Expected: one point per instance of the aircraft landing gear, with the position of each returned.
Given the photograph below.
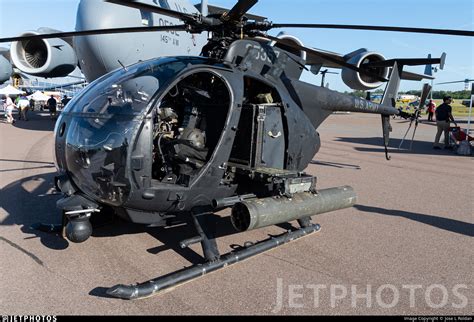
(206, 226)
(214, 260)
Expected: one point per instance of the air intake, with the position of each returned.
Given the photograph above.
(35, 53)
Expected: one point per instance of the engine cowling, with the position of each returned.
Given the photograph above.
(43, 57)
(5, 69)
(290, 40)
(359, 81)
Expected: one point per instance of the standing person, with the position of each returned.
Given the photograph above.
(430, 109)
(17, 100)
(64, 101)
(23, 105)
(51, 103)
(9, 109)
(32, 104)
(444, 117)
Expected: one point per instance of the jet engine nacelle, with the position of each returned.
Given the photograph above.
(43, 57)
(359, 81)
(5, 69)
(290, 40)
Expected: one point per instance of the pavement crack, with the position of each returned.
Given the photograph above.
(301, 266)
(24, 251)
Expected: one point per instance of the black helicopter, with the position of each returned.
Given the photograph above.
(184, 137)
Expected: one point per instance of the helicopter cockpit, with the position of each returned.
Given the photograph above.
(163, 126)
(188, 124)
(95, 133)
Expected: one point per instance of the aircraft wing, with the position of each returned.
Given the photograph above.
(5, 52)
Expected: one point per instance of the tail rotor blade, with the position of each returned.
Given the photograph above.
(456, 82)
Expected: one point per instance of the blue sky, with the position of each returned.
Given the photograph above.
(20, 15)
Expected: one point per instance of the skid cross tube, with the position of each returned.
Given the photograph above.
(149, 288)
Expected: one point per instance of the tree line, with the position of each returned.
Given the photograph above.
(440, 94)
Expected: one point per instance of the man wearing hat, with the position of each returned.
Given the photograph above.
(444, 117)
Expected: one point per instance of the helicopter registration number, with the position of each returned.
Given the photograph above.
(262, 53)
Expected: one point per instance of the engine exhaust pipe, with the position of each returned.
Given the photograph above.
(258, 213)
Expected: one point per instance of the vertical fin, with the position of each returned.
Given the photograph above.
(390, 98)
(429, 68)
(391, 91)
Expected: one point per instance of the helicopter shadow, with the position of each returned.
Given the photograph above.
(170, 237)
(452, 225)
(32, 200)
(419, 147)
(29, 201)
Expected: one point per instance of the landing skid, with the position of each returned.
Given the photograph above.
(215, 262)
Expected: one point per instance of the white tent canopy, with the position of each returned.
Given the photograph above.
(10, 90)
(39, 97)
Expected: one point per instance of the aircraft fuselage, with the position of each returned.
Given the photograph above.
(101, 54)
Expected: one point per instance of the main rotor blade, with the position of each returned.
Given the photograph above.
(405, 62)
(328, 58)
(468, 33)
(463, 81)
(95, 32)
(240, 9)
(147, 7)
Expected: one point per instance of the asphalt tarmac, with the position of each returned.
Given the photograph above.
(405, 248)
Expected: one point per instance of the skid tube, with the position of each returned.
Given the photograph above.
(150, 288)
